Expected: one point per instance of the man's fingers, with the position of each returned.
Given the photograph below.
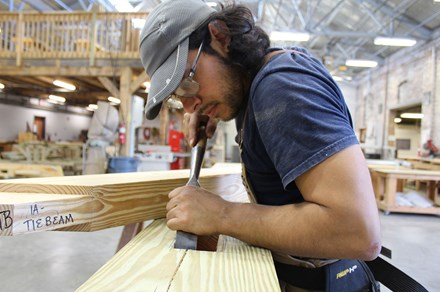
(192, 123)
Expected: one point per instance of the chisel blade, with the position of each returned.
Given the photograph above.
(185, 240)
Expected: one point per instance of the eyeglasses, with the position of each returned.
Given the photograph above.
(188, 87)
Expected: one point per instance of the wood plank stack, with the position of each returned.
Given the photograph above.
(17, 170)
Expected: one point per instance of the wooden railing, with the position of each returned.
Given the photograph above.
(78, 35)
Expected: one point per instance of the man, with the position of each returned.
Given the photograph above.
(303, 166)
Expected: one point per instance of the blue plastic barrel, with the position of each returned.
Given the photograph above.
(122, 164)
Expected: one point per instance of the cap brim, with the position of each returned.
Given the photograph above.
(166, 79)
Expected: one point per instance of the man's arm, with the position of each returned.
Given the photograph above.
(339, 218)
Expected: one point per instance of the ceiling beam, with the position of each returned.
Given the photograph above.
(60, 71)
(63, 5)
(110, 86)
(138, 82)
(299, 15)
(401, 17)
(9, 4)
(328, 18)
(38, 5)
(83, 5)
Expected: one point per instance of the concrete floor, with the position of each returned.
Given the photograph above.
(62, 261)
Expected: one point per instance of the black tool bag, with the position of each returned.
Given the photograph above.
(343, 275)
(350, 275)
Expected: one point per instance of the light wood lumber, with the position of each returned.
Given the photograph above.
(11, 170)
(125, 107)
(27, 212)
(150, 263)
(105, 200)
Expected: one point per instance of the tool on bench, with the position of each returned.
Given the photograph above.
(185, 240)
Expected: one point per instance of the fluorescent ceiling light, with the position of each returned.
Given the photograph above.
(398, 42)
(64, 85)
(114, 99)
(289, 36)
(436, 0)
(211, 4)
(361, 63)
(412, 115)
(54, 101)
(337, 78)
(93, 106)
(2, 86)
(56, 98)
(397, 120)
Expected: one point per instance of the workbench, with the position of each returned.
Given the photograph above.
(387, 181)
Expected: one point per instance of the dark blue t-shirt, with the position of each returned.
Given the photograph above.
(296, 118)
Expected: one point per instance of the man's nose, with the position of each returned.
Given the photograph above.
(190, 104)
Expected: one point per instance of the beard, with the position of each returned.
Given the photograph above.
(236, 88)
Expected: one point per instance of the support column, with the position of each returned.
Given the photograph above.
(125, 112)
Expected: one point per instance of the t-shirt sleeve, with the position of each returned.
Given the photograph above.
(302, 119)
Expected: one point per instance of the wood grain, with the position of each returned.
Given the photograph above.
(94, 202)
(150, 263)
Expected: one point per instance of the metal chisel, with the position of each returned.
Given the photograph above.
(185, 240)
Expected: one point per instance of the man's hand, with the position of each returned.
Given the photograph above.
(191, 124)
(195, 210)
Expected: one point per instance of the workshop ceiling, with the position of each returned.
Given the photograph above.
(338, 29)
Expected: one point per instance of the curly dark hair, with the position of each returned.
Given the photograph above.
(248, 42)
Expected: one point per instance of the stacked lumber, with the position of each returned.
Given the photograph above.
(17, 170)
(26, 137)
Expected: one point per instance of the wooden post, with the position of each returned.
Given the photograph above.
(164, 121)
(19, 39)
(125, 108)
(93, 40)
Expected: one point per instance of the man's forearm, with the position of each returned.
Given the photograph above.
(305, 229)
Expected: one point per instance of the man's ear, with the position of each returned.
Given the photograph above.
(220, 38)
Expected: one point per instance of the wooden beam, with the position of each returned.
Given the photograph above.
(60, 71)
(125, 111)
(138, 82)
(20, 33)
(149, 262)
(110, 86)
(94, 202)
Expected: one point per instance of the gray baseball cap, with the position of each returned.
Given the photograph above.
(164, 45)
